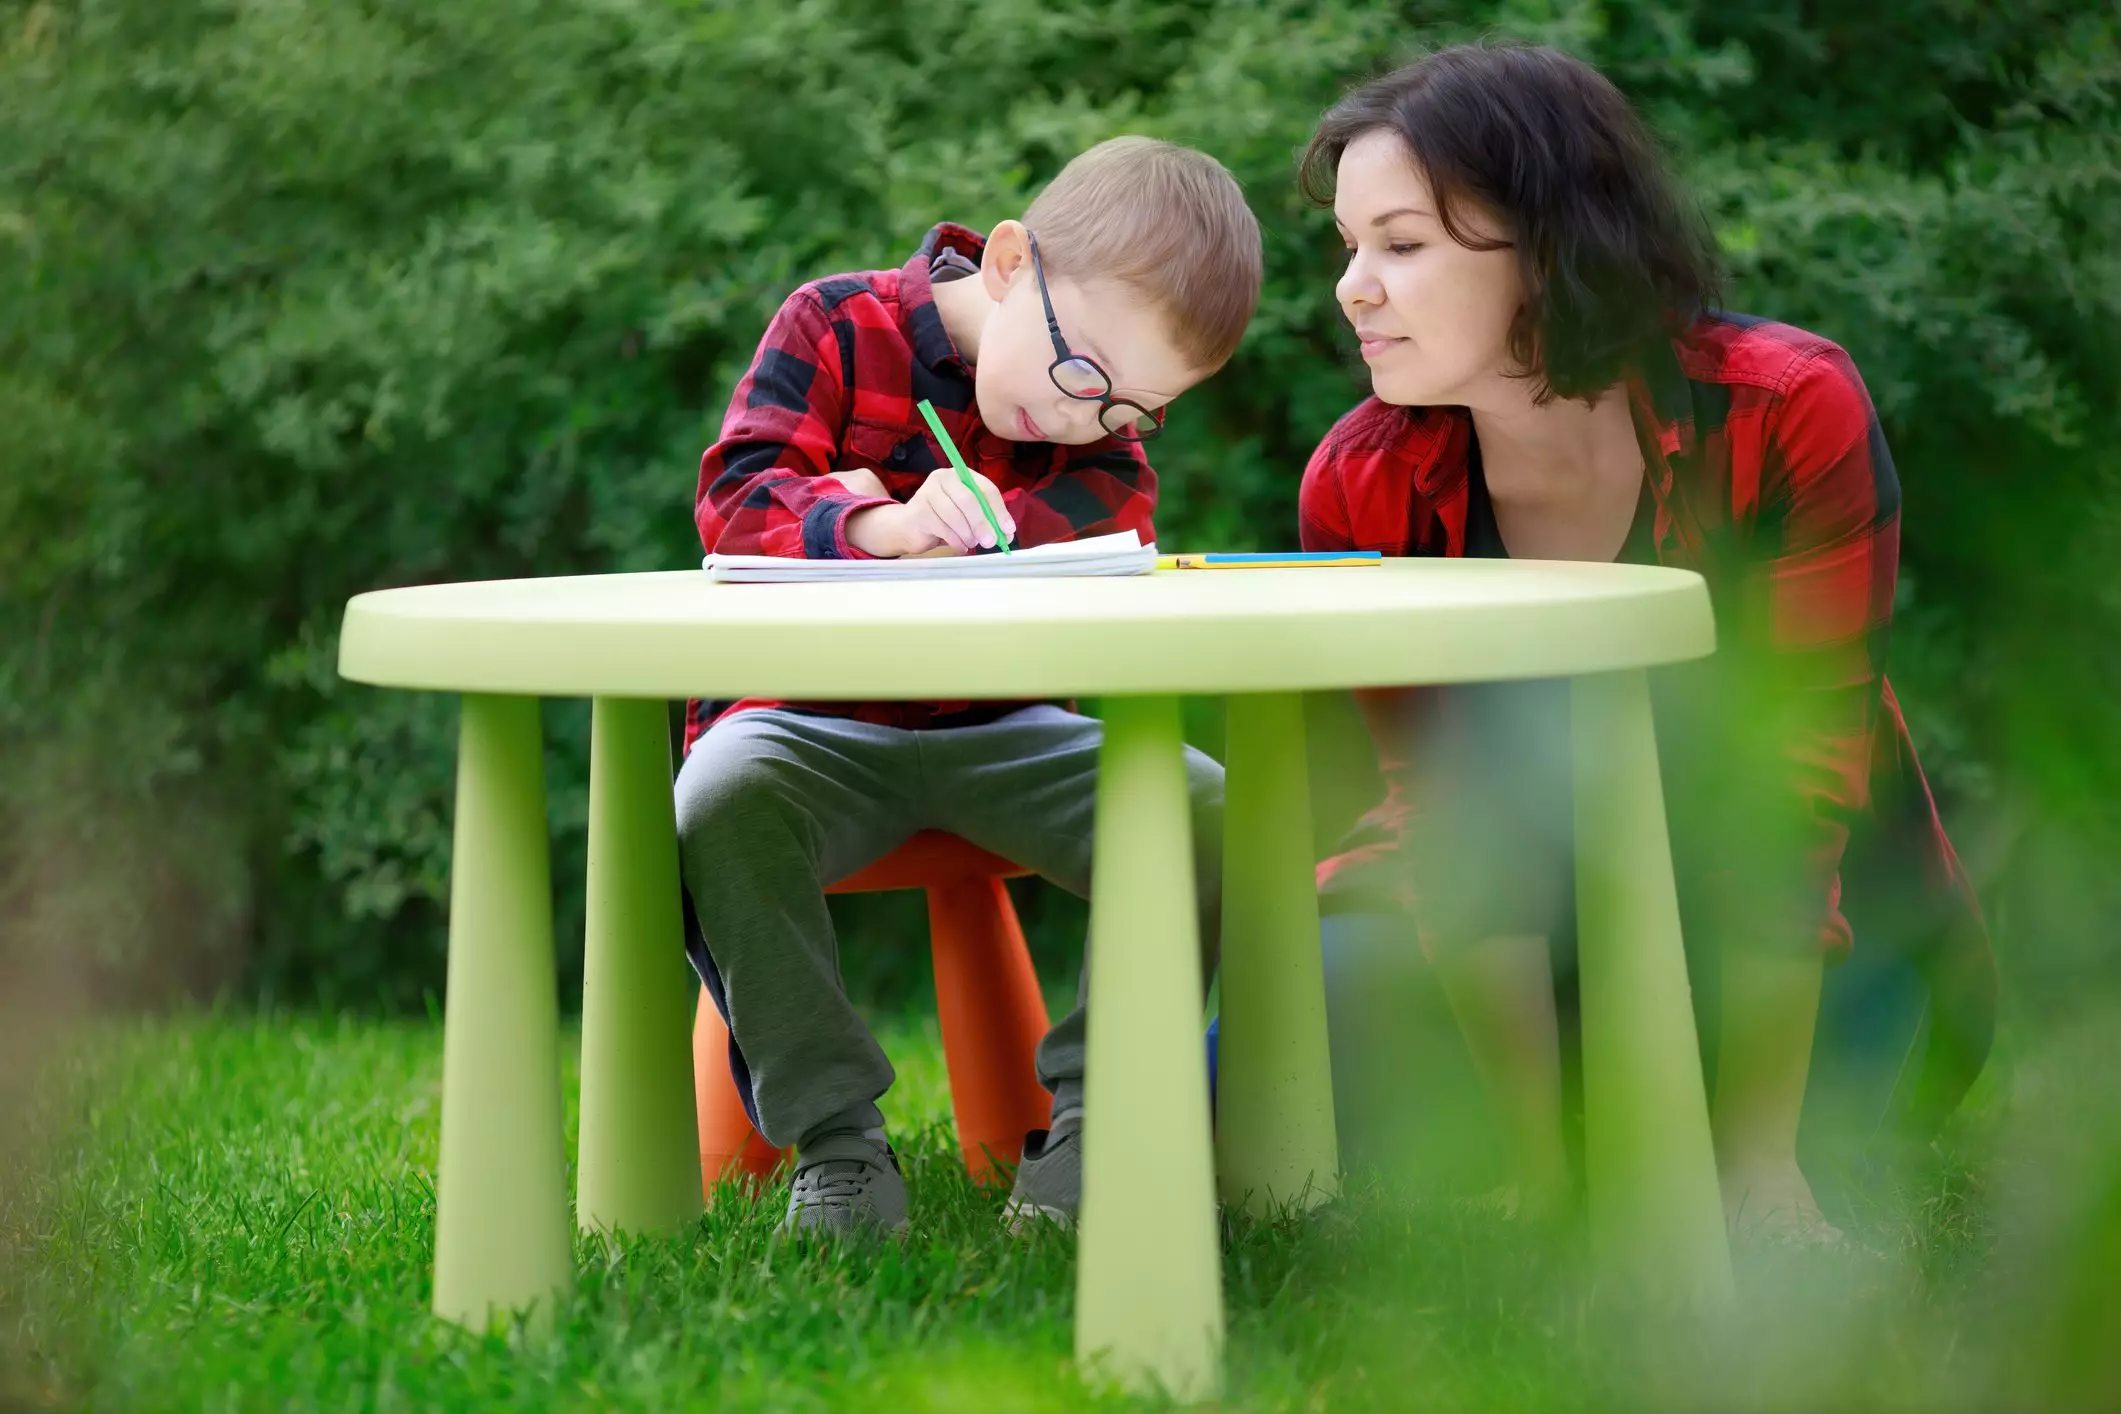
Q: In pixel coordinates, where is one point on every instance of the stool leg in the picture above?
(1655, 1210)
(501, 1240)
(1148, 1307)
(729, 1146)
(638, 1165)
(993, 1017)
(1274, 1092)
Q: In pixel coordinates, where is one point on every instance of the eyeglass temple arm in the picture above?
(1045, 296)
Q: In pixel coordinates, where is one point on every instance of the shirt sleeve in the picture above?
(1818, 599)
(765, 485)
(1372, 859)
(1104, 488)
(1322, 516)
(1324, 524)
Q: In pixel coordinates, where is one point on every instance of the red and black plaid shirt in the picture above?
(1770, 477)
(835, 387)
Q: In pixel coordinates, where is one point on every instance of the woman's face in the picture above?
(1433, 316)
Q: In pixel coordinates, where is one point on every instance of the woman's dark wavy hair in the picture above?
(1613, 256)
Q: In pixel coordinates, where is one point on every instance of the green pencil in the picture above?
(964, 474)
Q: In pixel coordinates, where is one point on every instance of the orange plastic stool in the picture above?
(986, 997)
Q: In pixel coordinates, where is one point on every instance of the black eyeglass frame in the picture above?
(1144, 424)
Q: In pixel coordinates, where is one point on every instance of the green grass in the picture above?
(228, 1213)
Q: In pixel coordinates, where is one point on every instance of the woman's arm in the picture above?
(1814, 617)
(1816, 607)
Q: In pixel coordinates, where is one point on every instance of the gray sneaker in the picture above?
(1049, 1180)
(847, 1184)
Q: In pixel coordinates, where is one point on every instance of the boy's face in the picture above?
(1103, 321)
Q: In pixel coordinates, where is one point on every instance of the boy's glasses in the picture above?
(1082, 379)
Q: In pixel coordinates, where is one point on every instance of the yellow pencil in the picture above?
(1307, 559)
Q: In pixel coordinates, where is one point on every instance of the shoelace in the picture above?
(841, 1180)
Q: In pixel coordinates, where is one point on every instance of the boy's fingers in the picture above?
(993, 493)
(968, 505)
(940, 518)
(954, 503)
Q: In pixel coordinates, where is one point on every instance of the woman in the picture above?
(1535, 302)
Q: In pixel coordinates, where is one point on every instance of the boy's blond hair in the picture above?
(1168, 222)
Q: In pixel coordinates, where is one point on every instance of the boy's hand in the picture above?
(943, 512)
(862, 482)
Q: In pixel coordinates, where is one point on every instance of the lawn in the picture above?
(225, 1212)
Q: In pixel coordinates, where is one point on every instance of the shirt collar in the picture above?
(1661, 398)
(1662, 401)
(1446, 433)
(922, 321)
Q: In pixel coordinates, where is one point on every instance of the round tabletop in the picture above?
(1205, 632)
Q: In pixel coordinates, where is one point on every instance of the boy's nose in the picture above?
(1083, 420)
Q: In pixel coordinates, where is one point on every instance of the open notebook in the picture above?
(1120, 554)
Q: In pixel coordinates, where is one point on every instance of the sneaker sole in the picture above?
(827, 1232)
(1027, 1217)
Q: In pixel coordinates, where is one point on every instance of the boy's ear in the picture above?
(1008, 256)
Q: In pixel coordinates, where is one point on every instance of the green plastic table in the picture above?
(1149, 1299)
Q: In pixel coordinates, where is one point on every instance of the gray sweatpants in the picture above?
(773, 806)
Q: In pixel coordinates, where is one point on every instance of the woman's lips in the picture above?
(1031, 430)
(1375, 344)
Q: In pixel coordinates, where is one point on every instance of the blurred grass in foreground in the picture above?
(236, 1214)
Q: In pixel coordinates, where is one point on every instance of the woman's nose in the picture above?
(1358, 285)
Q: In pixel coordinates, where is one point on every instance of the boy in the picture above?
(1049, 349)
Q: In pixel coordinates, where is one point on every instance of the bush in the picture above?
(310, 298)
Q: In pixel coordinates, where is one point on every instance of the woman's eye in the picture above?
(1405, 249)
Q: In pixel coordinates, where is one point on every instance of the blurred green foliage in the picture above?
(305, 297)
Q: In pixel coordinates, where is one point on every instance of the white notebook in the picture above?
(1121, 554)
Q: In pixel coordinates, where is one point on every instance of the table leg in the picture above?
(501, 1241)
(1655, 1210)
(1149, 1273)
(639, 1162)
(1274, 1098)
